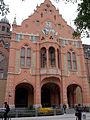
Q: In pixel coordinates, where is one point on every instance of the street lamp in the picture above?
(9, 96)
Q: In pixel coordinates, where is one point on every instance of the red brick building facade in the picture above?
(5, 37)
(46, 64)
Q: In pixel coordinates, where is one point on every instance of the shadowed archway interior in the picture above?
(24, 95)
(74, 95)
(50, 95)
(21, 97)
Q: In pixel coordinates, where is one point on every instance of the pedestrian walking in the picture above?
(7, 109)
(78, 113)
(64, 107)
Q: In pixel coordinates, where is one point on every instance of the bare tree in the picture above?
(4, 9)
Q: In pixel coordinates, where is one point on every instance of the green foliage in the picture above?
(31, 107)
(82, 21)
(76, 33)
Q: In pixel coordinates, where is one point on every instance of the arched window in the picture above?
(45, 11)
(54, 17)
(22, 57)
(37, 23)
(69, 60)
(25, 56)
(41, 15)
(58, 58)
(3, 28)
(74, 61)
(43, 58)
(7, 29)
(28, 57)
(50, 11)
(52, 56)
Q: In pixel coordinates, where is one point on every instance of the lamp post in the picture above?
(9, 96)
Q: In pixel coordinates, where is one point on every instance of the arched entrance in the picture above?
(74, 95)
(23, 95)
(50, 95)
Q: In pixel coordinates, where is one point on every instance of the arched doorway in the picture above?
(74, 95)
(50, 95)
(23, 95)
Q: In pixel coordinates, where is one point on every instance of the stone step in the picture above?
(70, 111)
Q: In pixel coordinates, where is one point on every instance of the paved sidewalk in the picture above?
(58, 117)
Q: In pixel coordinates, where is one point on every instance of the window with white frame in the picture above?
(43, 58)
(28, 57)
(37, 23)
(22, 57)
(52, 56)
(71, 60)
(25, 57)
(3, 28)
(58, 58)
(45, 11)
(59, 26)
(31, 37)
(74, 61)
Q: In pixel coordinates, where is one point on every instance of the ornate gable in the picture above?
(46, 17)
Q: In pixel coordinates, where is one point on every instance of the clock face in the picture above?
(47, 30)
(48, 24)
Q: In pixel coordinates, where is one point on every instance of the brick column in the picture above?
(37, 93)
(64, 94)
(85, 92)
(47, 58)
(61, 96)
(56, 60)
(11, 66)
(10, 88)
(37, 89)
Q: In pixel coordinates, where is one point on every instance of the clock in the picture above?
(48, 24)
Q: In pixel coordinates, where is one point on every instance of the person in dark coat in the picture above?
(64, 107)
(7, 109)
(78, 113)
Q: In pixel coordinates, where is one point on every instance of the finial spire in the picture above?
(14, 22)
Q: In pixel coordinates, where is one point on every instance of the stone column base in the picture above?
(37, 106)
(12, 106)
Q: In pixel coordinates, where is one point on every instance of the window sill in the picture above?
(73, 70)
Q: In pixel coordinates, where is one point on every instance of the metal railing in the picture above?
(31, 113)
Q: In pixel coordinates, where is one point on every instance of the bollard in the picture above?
(83, 116)
(16, 113)
(54, 112)
(36, 113)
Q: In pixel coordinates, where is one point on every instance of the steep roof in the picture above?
(4, 20)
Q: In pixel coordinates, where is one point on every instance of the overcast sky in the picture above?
(24, 9)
